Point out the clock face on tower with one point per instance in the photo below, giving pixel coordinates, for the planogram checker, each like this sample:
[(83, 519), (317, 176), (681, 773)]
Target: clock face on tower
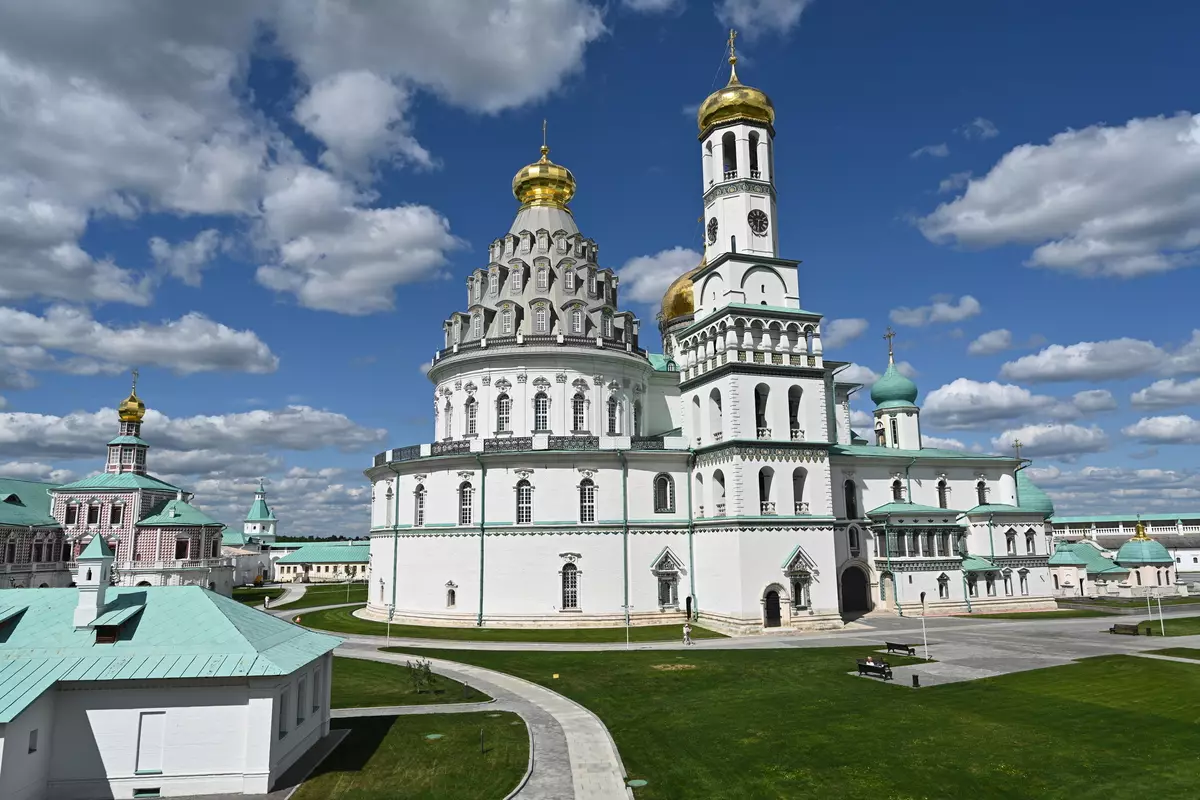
[(758, 221), (712, 230)]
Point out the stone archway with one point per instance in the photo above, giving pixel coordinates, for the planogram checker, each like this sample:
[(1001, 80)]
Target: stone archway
[(772, 614), (856, 591)]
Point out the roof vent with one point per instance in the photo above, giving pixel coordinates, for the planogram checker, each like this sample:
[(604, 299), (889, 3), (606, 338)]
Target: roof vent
[(172, 513)]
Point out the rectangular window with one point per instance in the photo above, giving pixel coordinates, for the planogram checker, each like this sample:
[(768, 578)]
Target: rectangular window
[(115, 514), (516, 280), (569, 279), (587, 503), (539, 316), (494, 281), (300, 701), (543, 279), (33, 737), (316, 695), (607, 333), (72, 516), (465, 505), (181, 549), (283, 712), (10, 553), (943, 544), (1024, 584), (93, 515), (506, 321), (140, 458), (477, 326), (151, 729), (990, 580), (37, 552), (126, 455)]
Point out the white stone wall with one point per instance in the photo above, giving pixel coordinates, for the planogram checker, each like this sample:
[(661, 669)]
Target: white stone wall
[(23, 774), (873, 478), (730, 209)]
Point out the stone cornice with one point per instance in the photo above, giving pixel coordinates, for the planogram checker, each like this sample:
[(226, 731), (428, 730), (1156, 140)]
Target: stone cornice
[(725, 452)]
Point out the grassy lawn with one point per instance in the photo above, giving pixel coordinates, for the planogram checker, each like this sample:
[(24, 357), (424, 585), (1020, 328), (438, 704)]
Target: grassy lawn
[(328, 594), (791, 723), (1062, 613), (389, 758), (1180, 626), (342, 620), (361, 684), (1131, 602), (252, 596), (1179, 652)]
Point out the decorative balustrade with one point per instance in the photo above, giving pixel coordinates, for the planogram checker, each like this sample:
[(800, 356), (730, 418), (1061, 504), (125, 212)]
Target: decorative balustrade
[(730, 174), (718, 436), (699, 511), (574, 443), (503, 443), (797, 434), (754, 173), (646, 443), (767, 508), (801, 507), (720, 509), (446, 448), (764, 433)]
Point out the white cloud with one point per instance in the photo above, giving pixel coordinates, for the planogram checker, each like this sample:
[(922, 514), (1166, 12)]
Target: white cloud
[(1115, 490), (940, 150), (965, 403), (1167, 393), (652, 6), (360, 117), (857, 373), (644, 279), (1064, 442), (861, 420), (953, 182), (839, 332), (1090, 401), (36, 471), (425, 367), (979, 128), (942, 309), (990, 343), (1177, 429), (756, 18), (192, 343), (1103, 201), (1116, 358), (944, 444), (186, 260)]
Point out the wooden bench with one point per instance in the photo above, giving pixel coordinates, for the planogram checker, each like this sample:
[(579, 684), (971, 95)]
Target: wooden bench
[(1129, 630), (878, 670), (893, 647)]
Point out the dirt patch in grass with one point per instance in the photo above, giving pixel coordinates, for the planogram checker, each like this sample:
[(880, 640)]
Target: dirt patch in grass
[(672, 667)]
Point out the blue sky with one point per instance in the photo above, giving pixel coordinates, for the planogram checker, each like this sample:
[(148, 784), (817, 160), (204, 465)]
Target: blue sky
[(270, 211)]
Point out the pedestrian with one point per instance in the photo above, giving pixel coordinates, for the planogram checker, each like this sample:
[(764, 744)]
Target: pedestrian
[(687, 633), (266, 601)]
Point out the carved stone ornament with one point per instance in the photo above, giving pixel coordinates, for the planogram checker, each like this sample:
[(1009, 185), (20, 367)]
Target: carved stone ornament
[(598, 380), (471, 388), (522, 378), (523, 473), (581, 384), (486, 380), (587, 473), (451, 585), (561, 377), (466, 474), (503, 385), (541, 382), (614, 385), (638, 388), (570, 557), (457, 385), (419, 478)]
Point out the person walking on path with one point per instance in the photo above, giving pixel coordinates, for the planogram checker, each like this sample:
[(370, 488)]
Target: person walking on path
[(687, 633)]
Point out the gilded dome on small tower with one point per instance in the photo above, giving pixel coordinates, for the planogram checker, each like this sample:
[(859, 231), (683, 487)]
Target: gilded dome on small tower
[(132, 409), (735, 101), (544, 183), (680, 298)]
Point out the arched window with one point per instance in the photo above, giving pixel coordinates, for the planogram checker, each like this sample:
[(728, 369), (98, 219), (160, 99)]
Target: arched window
[(448, 419), (476, 289), (729, 155), (419, 506), (762, 393), (570, 586), (716, 417), (943, 499), (943, 586), (897, 491), (852, 534), (477, 325), (591, 283), (733, 244), (543, 278), (540, 319), (1056, 581), (451, 598), (766, 491), (754, 172), (850, 493), (472, 414), (895, 433), (606, 326), (1010, 542), (494, 281), (664, 493), (466, 497), (637, 418), (1138, 574), (880, 435), (503, 414), (587, 500), (576, 322), (1030, 543), (569, 279), (541, 412), (506, 319), (524, 502), (516, 280), (613, 427), (981, 492), (578, 413), (794, 395)]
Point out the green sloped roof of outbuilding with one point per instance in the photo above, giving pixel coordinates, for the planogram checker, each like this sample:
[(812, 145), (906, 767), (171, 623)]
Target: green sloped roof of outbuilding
[(329, 553), (120, 480), (178, 513), (24, 503)]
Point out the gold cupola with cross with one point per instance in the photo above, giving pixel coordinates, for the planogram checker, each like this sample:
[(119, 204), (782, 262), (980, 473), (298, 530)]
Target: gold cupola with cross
[(544, 183)]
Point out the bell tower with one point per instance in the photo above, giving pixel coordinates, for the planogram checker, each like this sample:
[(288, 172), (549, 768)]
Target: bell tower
[(736, 145)]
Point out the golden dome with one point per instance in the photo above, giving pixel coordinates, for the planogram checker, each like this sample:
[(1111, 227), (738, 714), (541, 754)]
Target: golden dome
[(132, 409), (735, 101), (544, 183), (680, 299)]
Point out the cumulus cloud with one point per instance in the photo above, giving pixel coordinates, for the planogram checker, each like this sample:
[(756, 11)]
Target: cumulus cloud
[(1176, 429), (940, 150), (861, 419), (838, 332), (944, 444), (1114, 490), (990, 343), (953, 182), (1167, 393), (941, 309), (1116, 358), (966, 403), (857, 373), (652, 6), (645, 278), (1064, 442), (979, 128), (756, 18), (36, 471), (186, 260), (1091, 401), (192, 343), (1118, 201)]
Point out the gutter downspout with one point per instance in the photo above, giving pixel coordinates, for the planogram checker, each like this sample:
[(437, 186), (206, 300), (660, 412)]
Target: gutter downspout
[(625, 529), (482, 525), (908, 480), (691, 529), (395, 535)]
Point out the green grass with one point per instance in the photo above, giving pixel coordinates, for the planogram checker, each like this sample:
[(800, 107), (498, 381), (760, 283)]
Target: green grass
[(319, 594), (1131, 602), (362, 684), (1062, 613), (1179, 626), (342, 620), (786, 723), (252, 596), (389, 758), (1179, 652)]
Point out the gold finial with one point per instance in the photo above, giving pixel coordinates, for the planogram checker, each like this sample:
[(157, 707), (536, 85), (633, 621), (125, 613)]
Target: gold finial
[(891, 334), (545, 148), (1017, 446), (1140, 530), (135, 377), (132, 409), (733, 78)]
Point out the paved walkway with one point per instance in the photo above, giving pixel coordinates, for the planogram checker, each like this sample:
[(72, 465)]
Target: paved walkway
[(573, 754), (291, 593)]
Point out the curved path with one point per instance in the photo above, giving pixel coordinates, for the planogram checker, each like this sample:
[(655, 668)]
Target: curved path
[(291, 593)]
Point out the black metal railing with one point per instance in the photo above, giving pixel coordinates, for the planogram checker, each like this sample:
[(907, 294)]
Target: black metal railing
[(646, 443), (574, 442), (502, 443), (446, 448)]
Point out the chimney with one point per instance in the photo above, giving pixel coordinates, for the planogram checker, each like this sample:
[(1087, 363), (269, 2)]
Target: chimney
[(95, 567)]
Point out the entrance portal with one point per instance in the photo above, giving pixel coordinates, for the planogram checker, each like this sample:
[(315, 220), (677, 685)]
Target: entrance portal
[(689, 606), (855, 591), (771, 618)]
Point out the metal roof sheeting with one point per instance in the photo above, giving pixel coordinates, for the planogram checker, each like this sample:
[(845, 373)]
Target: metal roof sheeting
[(357, 553)]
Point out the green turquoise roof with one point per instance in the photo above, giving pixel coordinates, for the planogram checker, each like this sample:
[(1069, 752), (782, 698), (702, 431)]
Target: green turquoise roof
[(1000, 508), (1033, 498), (659, 362), (97, 548), (1066, 557), (1130, 518), (259, 512), (911, 508), (1143, 551), (119, 480), (875, 451), (130, 440), (177, 512), (977, 564), (25, 503), (183, 632), (1097, 563), (324, 553), (893, 390), (232, 538)]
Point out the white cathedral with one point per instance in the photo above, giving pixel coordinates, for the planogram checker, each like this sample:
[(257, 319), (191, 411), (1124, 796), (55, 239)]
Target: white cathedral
[(576, 479)]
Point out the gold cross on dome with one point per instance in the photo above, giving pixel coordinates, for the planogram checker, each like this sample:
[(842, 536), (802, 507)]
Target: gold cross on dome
[(543, 133), (1017, 446), (891, 334), (732, 49), (135, 377)]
